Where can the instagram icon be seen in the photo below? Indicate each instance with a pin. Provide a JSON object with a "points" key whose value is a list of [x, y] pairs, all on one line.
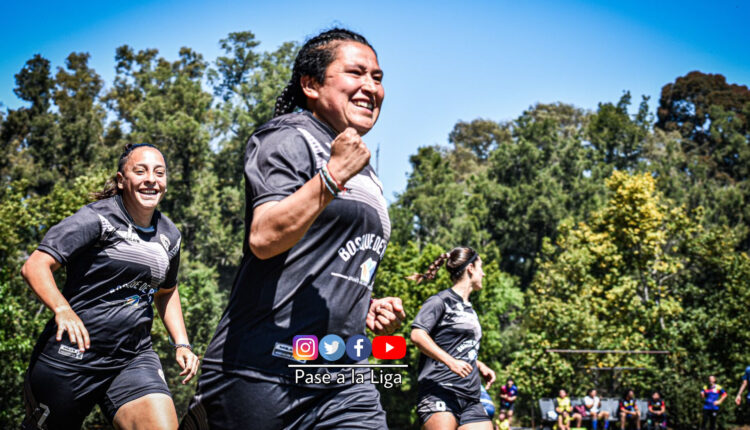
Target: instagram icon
{"points": [[305, 347]]}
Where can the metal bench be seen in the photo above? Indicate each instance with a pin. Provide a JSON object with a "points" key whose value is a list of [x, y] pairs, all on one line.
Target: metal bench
{"points": [[611, 405]]}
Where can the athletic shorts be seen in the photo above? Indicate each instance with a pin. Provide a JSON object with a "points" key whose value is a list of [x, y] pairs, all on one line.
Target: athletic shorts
{"points": [[505, 406], [57, 398], [465, 410], [230, 401]]}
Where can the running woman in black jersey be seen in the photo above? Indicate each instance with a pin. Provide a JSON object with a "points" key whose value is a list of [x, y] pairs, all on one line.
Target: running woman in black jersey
{"points": [[316, 229], [120, 255], [447, 332]]}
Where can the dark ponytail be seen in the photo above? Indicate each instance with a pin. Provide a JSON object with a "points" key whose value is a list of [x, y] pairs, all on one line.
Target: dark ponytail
{"points": [[312, 60], [110, 187], [455, 261]]}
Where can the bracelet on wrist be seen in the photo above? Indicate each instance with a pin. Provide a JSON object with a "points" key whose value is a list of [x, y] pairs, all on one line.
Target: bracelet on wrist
{"points": [[338, 184], [332, 190], [331, 182], [183, 345]]}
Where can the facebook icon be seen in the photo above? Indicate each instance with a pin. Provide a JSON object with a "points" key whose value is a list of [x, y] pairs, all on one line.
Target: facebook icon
{"points": [[358, 347]]}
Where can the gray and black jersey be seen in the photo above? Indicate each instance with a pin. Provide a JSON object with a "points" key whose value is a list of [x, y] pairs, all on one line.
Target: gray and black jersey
{"points": [[113, 269], [454, 326], [323, 284]]}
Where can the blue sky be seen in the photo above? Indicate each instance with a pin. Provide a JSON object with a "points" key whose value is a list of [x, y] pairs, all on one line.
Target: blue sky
{"points": [[443, 61]]}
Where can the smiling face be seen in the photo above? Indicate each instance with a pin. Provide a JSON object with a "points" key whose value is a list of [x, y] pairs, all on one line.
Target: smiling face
{"points": [[143, 180], [352, 92]]}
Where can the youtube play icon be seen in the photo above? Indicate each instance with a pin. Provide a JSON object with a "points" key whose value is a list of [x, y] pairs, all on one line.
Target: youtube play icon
{"points": [[389, 347]]}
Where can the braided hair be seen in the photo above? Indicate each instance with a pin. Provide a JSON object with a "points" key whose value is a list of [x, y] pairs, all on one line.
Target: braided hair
{"points": [[312, 60], [456, 261], [110, 187]]}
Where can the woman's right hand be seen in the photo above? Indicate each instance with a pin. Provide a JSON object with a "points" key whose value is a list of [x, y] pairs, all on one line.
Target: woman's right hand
{"points": [[349, 155], [460, 367], [67, 320]]}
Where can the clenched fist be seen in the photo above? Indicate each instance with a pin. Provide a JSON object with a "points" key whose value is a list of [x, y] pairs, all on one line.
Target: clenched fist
{"points": [[349, 155]]}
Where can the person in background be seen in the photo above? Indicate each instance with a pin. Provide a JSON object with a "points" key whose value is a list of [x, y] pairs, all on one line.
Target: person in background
{"points": [[628, 410], [447, 332], [508, 395], [593, 405], [713, 396], [743, 413], [657, 411], [502, 422], [486, 399], [565, 411]]}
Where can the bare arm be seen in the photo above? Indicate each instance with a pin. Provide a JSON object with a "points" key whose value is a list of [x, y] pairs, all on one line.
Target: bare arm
{"points": [[278, 226], [738, 400], [428, 347], [170, 310], [37, 272]]}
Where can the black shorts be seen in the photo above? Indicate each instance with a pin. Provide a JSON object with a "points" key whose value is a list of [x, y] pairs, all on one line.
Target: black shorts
{"points": [[230, 401], [62, 398], [505, 406], [465, 410]]}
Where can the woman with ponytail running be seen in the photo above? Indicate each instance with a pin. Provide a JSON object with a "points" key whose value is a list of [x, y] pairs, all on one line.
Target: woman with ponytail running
{"points": [[446, 330], [316, 230]]}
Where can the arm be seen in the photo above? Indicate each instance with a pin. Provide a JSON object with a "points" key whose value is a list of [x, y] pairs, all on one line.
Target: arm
{"points": [[429, 348], [588, 404], [37, 271], [738, 399], [170, 310], [278, 226], [487, 373], [721, 399]]}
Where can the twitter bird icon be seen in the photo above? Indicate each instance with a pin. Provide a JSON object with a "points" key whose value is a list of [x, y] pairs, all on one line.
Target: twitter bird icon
{"points": [[332, 347]]}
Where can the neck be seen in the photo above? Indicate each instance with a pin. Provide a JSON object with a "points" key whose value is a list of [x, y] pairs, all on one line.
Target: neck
{"points": [[142, 217], [463, 288]]}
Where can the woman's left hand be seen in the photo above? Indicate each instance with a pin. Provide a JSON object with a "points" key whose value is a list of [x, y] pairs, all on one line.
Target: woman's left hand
{"points": [[189, 363], [385, 315]]}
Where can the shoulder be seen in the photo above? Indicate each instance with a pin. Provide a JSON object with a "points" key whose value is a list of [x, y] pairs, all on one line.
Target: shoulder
{"points": [[295, 123], [164, 225]]}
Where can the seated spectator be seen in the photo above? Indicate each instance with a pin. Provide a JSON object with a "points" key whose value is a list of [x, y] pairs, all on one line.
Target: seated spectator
{"points": [[657, 412], [565, 411], [628, 411], [502, 422], [508, 394], [593, 405]]}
